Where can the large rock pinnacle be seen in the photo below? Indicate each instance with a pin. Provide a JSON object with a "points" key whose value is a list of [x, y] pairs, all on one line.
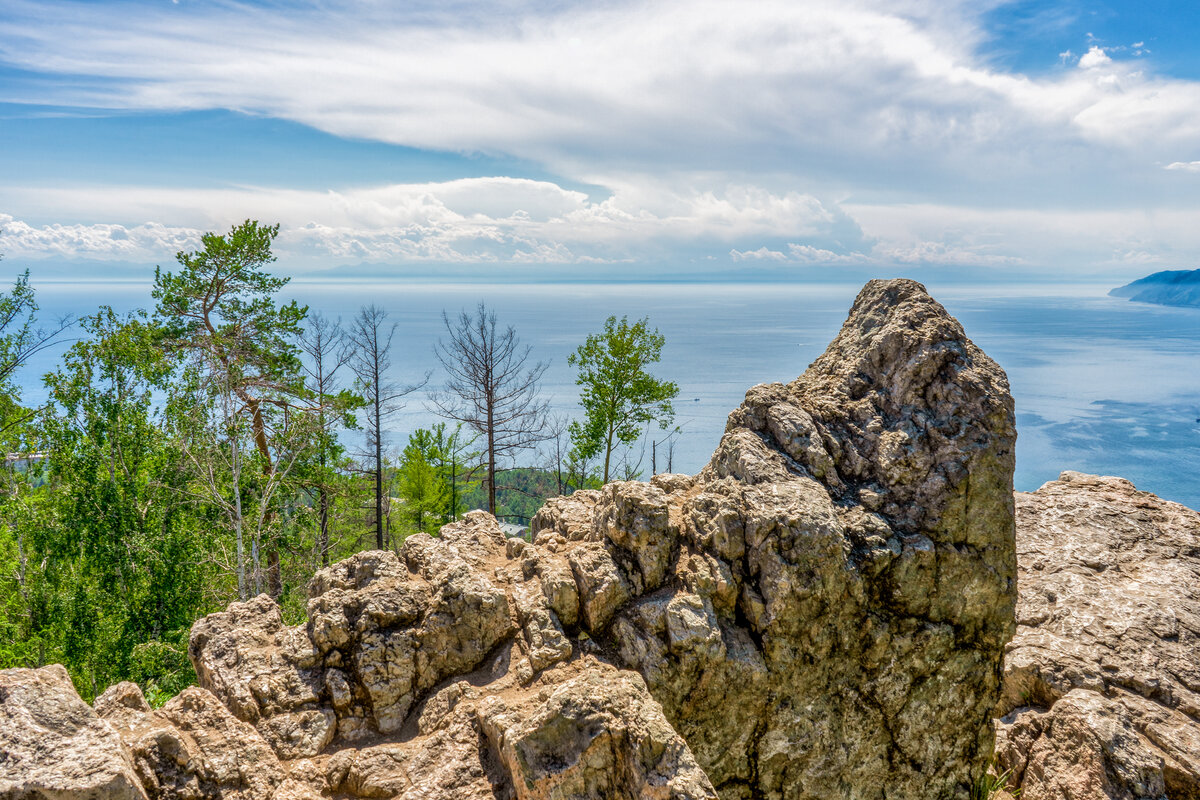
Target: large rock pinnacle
{"points": [[859, 526], [822, 610]]}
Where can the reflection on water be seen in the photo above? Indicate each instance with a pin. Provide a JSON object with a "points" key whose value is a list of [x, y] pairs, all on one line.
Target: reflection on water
{"points": [[1101, 384]]}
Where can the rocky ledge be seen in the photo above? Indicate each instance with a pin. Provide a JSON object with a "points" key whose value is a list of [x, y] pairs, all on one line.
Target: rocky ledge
{"points": [[820, 613], [1102, 680]]}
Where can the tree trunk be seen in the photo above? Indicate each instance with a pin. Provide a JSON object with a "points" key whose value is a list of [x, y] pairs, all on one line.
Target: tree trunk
{"points": [[274, 578], [491, 464], [274, 573], [323, 535], [378, 468], [243, 589]]}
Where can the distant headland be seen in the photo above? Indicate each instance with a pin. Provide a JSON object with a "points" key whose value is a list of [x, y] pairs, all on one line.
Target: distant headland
{"points": [[1172, 287]]}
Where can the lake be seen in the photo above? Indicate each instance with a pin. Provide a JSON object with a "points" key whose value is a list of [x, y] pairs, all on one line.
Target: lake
{"points": [[1101, 384]]}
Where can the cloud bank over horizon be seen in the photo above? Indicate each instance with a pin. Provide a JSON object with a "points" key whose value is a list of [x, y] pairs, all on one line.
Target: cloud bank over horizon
{"points": [[806, 133]]}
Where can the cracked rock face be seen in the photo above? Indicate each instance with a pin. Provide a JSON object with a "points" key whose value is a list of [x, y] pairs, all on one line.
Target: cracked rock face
{"points": [[822, 610], [1102, 678], [820, 613]]}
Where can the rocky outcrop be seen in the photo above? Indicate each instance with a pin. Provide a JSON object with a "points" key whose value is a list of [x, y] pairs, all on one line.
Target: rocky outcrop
{"points": [[820, 613], [822, 610], [445, 671], [54, 746], [1102, 680]]}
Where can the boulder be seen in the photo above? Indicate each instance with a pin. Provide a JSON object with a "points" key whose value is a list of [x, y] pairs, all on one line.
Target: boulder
{"points": [[53, 746], [192, 747], [1101, 680]]}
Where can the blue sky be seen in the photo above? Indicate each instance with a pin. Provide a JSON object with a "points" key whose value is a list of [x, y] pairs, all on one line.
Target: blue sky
{"points": [[1007, 138]]}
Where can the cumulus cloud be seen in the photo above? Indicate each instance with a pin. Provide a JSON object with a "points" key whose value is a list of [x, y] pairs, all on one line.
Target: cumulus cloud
{"points": [[802, 254], [101, 242], [472, 220], [1094, 58], [1184, 166]]}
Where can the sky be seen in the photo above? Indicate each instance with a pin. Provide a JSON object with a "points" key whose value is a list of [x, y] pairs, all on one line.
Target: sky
{"points": [[795, 138]]}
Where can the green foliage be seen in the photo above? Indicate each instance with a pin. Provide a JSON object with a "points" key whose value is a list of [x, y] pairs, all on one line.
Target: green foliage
{"points": [[219, 307], [124, 540], [521, 492], [991, 784], [17, 309], [219, 313], [180, 447], [162, 668], [433, 479], [618, 395], [420, 486]]}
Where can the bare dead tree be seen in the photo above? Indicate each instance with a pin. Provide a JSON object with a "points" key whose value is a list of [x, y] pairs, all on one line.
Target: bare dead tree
{"points": [[558, 445], [328, 350], [491, 387], [371, 360]]}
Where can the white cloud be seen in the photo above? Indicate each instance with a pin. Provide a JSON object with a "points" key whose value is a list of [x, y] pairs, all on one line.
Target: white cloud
{"points": [[708, 123], [597, 90], [102, 242], [761, 254], [1095, 57], [478, 219], [1059, 242]]}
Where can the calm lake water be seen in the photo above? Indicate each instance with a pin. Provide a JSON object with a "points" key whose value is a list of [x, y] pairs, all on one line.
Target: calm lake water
{"points": [[1101, 384]]}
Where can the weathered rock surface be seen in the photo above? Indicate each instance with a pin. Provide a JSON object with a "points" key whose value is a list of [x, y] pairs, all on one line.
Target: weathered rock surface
{"points": [[822, 610], [447, 672], [1102, 680], [53, 745], [820, 613], [192, 747]]}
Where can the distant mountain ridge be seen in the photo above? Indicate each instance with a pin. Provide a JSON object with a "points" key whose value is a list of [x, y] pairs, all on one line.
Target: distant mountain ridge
{"points": [[1172, 287]]}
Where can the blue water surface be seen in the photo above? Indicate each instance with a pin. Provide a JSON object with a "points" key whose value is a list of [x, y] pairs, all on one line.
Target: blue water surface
{"points": [[1101, 384]]}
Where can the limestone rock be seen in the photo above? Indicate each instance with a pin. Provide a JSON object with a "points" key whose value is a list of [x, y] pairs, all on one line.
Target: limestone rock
{"points": [[1101, 680], [590, 735], [267, 674], [53, 746]]}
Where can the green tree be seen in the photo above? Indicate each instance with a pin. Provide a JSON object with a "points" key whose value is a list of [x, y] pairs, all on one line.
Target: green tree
{"points": [[131, 567], [618, 395], [20, 340], [219, 312], [456, 466], [420, 486], [31, 605]]}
